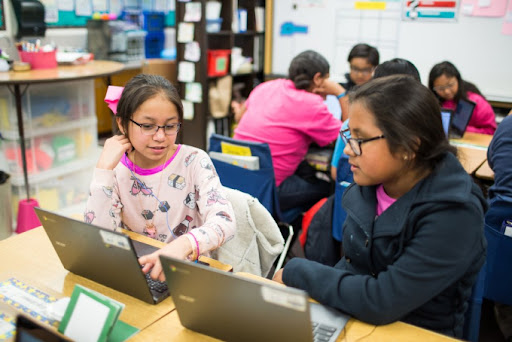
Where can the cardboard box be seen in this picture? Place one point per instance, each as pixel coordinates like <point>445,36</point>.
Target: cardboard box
<point>162,67</point>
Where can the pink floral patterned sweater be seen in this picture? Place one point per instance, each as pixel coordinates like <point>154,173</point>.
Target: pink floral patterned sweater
<point>164,203</point>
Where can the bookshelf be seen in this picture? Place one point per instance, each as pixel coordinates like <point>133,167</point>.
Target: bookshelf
<point>249,37</point>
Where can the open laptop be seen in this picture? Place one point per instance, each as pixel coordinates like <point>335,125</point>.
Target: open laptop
<point>107,257</point>
<point>460,118</point>
<point>235,308</point>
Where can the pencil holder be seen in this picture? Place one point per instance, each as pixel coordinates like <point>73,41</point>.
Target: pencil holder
<point>40,59</point>
<point>27,217</point>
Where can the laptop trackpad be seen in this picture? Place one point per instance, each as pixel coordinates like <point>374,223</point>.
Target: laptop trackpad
<point>143,248</point>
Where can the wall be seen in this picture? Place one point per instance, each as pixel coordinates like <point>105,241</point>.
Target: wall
<point>474,44</point>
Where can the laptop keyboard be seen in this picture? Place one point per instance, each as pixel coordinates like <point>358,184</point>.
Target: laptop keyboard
<point>155,285</point>
<point>322,332</point>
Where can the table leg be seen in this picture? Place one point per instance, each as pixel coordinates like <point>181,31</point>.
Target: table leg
<point>17,96</point>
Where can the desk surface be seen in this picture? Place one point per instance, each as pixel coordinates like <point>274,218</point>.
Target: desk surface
<point>92,69</point>
<point>477,139</point>
<point>485,172</point>
<point>169,328</point>
<point>32,259</point>
<point>472,150</point>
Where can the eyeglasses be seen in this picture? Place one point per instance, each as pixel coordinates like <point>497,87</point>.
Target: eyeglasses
<point>151,129</point>
<point>447,86</point>
<point>355,144</point>
<point>365,71</point>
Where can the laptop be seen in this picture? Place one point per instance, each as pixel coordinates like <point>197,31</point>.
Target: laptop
<point>30,330</point>
<point>107,257</point>
<point>460,118</point>
<point>235,308</point>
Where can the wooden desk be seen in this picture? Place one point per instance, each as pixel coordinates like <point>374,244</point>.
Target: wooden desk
<point>30,257</point>
<point>477,139</point>
<point>472,150</point>
<point>169,328</point>
<point>485,172</point>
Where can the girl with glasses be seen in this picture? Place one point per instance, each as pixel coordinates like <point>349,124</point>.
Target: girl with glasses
<point>447,84</point>
<point>413,238</point>
<point>147,183</point>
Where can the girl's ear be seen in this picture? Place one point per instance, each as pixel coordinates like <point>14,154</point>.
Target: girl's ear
<point>318,79</point>
<point>119,125</point>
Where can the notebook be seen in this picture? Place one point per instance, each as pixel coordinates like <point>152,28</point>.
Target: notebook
<point>246,162</point>
<point>235,308</point>
<point>460,118</point>
<point>107,257</point>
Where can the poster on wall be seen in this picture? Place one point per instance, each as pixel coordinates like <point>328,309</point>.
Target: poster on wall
<point>484,8</point>
<point>427,10</point>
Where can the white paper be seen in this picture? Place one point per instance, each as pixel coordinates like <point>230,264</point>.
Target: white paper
<point>467,9</point>
<point>186,71</point>
<point>192,52</point>
<point>65,5</point>
<point>188,110</point>
<point>192,12</point>
<point>185,32</point>
<point>99,6</point>
<point>23,298</point>
<point>51,11</point>
<point>484,3</point>
<point>116,7</point>
<point>194,92</point>
<point>87,319</point>
<point>83,8</point>
<point>161,6</point>
<point>171,5</point>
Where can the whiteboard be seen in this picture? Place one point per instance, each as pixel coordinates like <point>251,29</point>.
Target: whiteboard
<point>474,44</point>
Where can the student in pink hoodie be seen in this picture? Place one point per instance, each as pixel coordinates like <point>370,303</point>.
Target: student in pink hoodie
<point>449,87</point>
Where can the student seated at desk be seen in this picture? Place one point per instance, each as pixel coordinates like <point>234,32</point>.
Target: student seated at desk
<point>413,237</point>
<point>289,114</point>
<point>363,60</point>
<point>146,183</point>
<point>447,84</point>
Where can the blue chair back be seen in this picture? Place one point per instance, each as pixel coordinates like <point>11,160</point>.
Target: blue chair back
<point>498,281</point>
<point>344,178</point>
<point>258,183</point>
<point>472,318</point>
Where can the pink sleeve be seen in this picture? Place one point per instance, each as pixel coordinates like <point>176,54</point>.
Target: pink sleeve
<point>323,127</point>
<point>483,119</point>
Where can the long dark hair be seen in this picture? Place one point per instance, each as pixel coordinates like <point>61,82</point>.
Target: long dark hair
<point>409,116</point>
<point>140,89</point>
<point>304,66</point>
<point>449,70</point>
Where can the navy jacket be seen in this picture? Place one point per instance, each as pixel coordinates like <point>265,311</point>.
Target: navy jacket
<point>416,262</point>
<point>499,156</point>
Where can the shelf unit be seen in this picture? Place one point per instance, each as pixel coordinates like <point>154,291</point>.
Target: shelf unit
<point>252,43</point>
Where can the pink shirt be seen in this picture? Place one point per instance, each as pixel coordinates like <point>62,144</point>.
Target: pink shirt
<point>483,119</point>
<point>289,120</point>
<point>383,200</point>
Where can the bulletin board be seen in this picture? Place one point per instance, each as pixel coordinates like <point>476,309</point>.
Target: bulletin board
<point>478,45</point>
<point>75,13</point>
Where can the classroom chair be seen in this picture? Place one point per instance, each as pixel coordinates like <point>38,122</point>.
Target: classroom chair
<point>498,281</point>
<point>344,177</point>
<point>260,183</point>
<point>471,330</point>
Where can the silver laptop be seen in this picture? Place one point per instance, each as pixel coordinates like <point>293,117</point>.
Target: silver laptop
<point>234,308</point>
<point>107,257</point>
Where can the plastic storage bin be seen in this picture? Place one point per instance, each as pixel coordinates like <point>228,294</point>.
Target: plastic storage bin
<point>154,44</point>
<point>48,153</point>
<point>213,25</point>
<point>218,62</point>
<point>46,107</point>
<point>153,21</point>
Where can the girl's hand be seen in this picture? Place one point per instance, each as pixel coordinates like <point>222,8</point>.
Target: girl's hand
<point>114,148</point>
<point>328,87</point>
<point>278,277</point>
<point>180,248</point>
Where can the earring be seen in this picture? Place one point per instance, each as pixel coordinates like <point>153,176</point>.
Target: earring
<point>406,157</point>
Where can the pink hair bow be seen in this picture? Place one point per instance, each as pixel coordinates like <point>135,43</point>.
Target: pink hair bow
<point>112,97</point>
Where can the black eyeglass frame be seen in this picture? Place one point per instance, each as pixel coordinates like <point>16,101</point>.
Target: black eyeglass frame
<point>178,127</point>
<point>355,144</point>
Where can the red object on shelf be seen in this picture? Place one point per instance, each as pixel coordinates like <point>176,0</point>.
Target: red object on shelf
<point>218,62</point>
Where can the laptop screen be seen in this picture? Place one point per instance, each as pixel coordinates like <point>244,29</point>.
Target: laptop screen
<point>446,117</point>
<point>462,116</point>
